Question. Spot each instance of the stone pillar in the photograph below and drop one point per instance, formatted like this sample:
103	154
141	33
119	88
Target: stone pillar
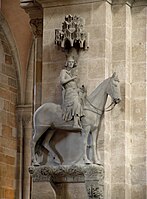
139	101
37	25
19	183
70	190
105	134
42	190
35	13
121	117
94	181
25	124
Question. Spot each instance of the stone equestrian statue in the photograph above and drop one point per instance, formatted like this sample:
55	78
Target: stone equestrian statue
78	111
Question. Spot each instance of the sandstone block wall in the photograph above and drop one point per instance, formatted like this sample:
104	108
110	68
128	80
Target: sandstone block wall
8	131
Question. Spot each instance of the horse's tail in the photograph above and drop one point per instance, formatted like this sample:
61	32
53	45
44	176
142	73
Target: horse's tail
34	121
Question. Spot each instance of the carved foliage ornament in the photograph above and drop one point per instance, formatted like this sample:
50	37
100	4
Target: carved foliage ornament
94	176
72	33
95	191
97	172
37	27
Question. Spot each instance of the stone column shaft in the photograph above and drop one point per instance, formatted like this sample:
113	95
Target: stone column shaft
139	101
19	182
25	125
121	62
36	25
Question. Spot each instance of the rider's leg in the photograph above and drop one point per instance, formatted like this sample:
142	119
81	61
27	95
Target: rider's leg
48	144
76	122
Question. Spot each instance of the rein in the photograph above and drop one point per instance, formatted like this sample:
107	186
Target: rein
109	108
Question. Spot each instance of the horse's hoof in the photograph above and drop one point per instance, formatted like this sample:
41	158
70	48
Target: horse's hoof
98	163
87	161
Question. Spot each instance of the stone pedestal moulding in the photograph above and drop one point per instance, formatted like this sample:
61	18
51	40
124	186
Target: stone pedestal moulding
91	175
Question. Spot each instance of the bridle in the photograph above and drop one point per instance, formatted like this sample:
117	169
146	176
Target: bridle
109	108
97	110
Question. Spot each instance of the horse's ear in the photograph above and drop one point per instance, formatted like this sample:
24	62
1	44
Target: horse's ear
114	75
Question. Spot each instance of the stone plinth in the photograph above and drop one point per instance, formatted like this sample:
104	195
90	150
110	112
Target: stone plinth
88	178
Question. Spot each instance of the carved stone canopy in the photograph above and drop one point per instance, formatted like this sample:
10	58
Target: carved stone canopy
72	34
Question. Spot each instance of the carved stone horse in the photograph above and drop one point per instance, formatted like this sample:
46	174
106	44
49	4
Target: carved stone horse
48	117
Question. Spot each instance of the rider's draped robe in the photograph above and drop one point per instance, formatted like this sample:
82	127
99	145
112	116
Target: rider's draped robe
71	100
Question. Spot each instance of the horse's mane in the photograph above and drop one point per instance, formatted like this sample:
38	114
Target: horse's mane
94	94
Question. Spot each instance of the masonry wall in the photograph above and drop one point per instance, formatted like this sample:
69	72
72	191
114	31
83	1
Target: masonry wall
8	131
139	101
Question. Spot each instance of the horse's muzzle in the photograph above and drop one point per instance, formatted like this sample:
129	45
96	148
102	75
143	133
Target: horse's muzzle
116	101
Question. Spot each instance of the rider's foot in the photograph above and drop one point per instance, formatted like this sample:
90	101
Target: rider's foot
77	127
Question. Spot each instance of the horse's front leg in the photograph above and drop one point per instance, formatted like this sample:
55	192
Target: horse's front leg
86	133
96	160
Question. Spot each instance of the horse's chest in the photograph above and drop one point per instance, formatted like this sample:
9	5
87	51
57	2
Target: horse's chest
91	120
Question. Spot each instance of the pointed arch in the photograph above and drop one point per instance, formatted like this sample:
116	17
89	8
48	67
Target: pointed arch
5	29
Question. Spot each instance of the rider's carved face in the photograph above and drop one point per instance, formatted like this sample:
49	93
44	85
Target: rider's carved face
70	64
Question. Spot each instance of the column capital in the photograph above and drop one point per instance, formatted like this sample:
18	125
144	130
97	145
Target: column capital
37	27
33	8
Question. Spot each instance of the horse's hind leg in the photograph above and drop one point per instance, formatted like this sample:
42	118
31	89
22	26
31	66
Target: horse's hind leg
37	135
49	145
52	146
48	137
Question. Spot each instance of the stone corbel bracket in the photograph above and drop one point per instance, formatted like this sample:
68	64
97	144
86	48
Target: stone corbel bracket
35	12
33	8
91	175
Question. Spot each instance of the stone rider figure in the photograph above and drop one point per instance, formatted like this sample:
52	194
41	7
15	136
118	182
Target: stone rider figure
72	105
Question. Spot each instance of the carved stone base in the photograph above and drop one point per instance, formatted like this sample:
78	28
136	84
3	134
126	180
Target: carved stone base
62	177
42	190
71	191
